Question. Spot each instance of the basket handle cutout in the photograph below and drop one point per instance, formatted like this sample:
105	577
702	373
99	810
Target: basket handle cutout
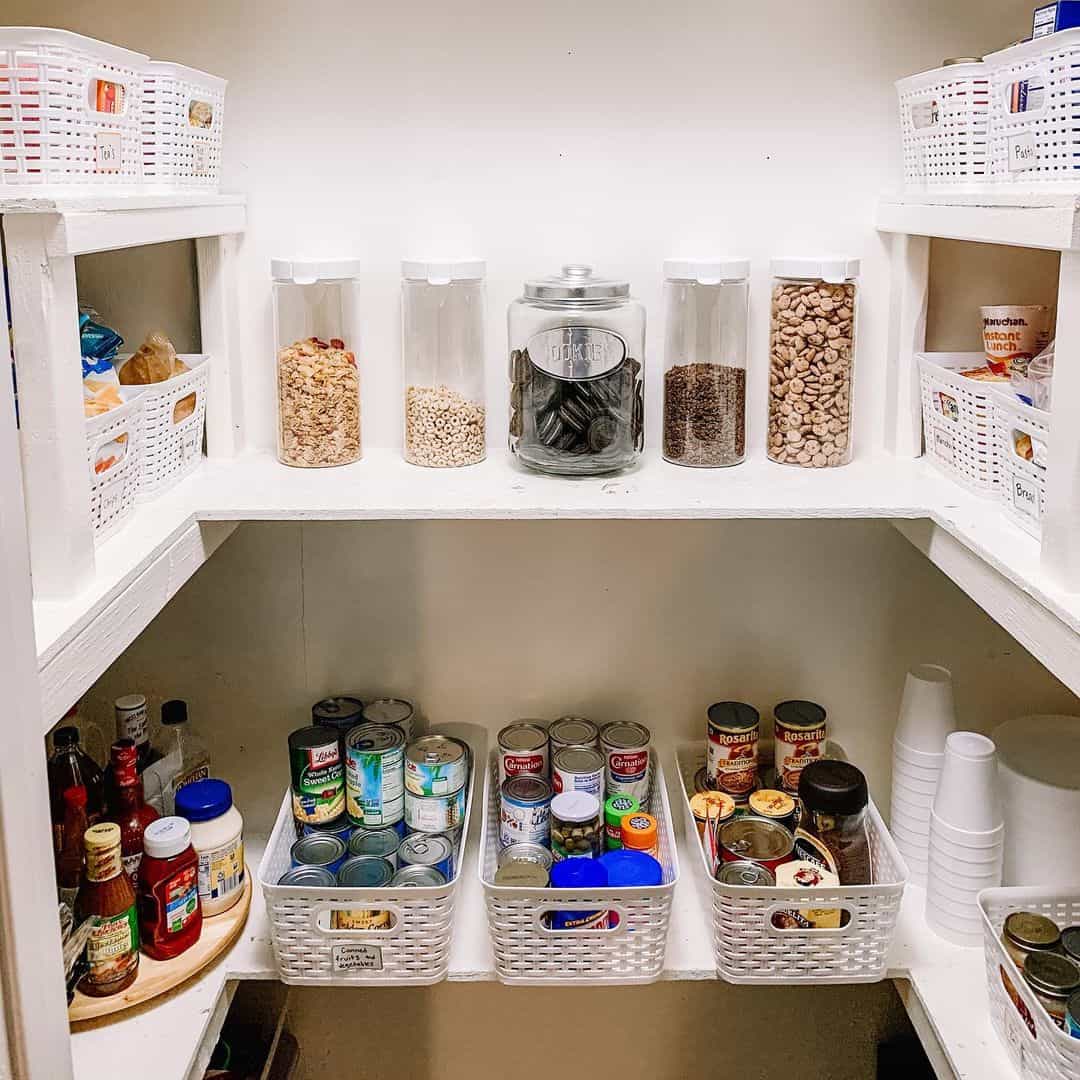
107	94
586	920
363	923
110	453
825	918
184	409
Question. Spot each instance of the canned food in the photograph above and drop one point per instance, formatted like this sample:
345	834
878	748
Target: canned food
308	877
428	849
325	851
701	780
575	826
1072	1015
434	813
615	809
1070	942
397	712
339	827
341	714
382	843
573	731
579	874
318	783
375	770
755	839
578	768
800	874
710	809
733	730
436	765
799	734
640	832
774	805
399	827
525	811
523	875
523	750
1027	932
418	877
534	853
454	835
1053	979
626	760
745	873
363	872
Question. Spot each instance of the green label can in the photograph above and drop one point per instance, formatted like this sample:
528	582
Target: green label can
318	782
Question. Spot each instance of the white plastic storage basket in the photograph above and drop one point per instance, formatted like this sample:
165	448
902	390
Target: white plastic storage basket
113	454
415	949
69	111
958	420
183	117
749	949
1038	1047
171	449
1034	102
528	952
1022	482
944	120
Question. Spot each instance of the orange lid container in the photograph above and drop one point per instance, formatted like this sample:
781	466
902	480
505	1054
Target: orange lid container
639	832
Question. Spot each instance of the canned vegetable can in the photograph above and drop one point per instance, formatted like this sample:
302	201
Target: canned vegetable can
434	813
363	872
375	775
418	877
382	843
308	877
397	712
424	849
436	765
339	827
626	760
328	852
318	782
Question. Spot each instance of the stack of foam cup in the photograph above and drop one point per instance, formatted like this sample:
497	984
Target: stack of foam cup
927	717
967	838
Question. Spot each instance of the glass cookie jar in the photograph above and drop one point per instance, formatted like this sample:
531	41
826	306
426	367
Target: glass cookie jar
577	404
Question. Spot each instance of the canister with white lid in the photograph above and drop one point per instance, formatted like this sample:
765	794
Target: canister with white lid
217	834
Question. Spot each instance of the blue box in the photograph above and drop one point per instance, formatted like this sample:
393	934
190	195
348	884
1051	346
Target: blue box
1050	18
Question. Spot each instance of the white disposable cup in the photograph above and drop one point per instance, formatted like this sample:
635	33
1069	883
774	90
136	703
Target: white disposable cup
967	793
916	784
911	831
966	935
918	772
988	877
953	863
966	838
961	892
911	756
915	801
927	711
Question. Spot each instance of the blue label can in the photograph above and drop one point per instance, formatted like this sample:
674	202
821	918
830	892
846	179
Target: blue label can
328	852
428	849
375	775
339	827
382	843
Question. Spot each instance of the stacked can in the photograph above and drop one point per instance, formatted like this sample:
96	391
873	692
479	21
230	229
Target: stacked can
436	771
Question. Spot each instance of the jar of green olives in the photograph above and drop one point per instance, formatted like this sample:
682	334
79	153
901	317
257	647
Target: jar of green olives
576	830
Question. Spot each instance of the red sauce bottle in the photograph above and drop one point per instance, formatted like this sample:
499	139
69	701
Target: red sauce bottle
170	915
127	808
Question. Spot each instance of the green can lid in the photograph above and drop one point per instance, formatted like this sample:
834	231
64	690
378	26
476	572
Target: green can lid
618	806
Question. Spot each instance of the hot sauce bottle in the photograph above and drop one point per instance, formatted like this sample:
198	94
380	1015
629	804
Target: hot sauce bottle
126	806
170	915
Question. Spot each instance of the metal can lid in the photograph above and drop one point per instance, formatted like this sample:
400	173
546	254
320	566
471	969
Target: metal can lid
770	803
733	716
317	849
380	842
311	737
418	877
525	852
528	789
756	838
1052	974
365	872
578	759
573	731
1030	930
625	735
330	828
130	702
575	806
523	735
745	873
338	712
1072	1009
575	282
800	715
523	875
375	738
425	849
435	750
314	877
715	806
388	711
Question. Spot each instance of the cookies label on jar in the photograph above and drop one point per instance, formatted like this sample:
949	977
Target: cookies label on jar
577	352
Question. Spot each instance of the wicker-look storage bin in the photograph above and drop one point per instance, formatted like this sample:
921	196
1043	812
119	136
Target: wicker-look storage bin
1021	483
527	952
1038	1047
114	469
749	949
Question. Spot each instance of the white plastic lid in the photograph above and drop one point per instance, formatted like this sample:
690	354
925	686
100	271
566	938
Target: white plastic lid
707	271
575	806
166	837
443	271
308	271
835	269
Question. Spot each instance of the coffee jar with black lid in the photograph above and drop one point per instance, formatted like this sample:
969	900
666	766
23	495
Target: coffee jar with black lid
577	404
834	799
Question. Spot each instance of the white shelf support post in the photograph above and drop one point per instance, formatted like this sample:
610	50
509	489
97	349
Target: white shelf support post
910	273
217	260
52	425
1061	517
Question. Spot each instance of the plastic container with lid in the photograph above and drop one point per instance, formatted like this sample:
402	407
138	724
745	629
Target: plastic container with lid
1054	979
628	869
640	833
170	916
217	834
834	799
579	874
442	344
575	826
318	381
577	394
707	308
811	360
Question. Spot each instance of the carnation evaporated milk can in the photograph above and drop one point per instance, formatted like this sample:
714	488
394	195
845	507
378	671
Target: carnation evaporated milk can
625	747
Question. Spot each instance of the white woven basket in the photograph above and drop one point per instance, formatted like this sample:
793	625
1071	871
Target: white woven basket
958	420
415	950
183	119
528	953
749	949
1021	484
1034	101
113	490
51	131
169	450
944	121
1037	1046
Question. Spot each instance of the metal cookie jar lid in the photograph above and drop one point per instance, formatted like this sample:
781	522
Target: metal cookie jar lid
576	282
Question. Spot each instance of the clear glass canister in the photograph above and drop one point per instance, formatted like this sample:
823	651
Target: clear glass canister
577	404
705	361
318	381
811	361
442	342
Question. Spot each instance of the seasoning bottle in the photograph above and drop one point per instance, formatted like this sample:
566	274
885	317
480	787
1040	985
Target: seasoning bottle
170	916
640	833
184	758
217	834
133	722
122	755
106	896
69	766
129	810
69	859
834	799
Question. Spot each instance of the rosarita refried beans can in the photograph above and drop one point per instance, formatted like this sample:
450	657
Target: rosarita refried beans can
523	751
799	734
732	765
625	747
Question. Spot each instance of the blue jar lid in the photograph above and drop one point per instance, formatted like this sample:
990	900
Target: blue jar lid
626	868
578	874
203	800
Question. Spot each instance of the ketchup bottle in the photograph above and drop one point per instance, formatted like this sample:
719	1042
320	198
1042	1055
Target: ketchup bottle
170	915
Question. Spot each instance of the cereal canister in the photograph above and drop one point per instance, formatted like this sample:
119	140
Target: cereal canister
573	731
523	750
626	759
578	768
799	735
375	775
436	765
318	784
733	729
525	811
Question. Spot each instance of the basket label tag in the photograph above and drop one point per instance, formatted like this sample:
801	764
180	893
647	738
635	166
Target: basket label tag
943	447
925	114
107	151
947	406
1025	497
357	958
1022	151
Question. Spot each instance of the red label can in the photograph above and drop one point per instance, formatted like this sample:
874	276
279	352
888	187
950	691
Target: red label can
732	765
523	751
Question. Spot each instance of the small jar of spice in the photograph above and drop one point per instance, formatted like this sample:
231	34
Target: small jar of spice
170	917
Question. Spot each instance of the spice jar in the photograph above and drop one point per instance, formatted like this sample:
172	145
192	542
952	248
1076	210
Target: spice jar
811	361
317	377
442	345
834	799
577	404
575	826
1054	979
170	916
1026	932
706	301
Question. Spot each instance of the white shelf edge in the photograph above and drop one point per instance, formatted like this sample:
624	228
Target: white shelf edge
108	202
